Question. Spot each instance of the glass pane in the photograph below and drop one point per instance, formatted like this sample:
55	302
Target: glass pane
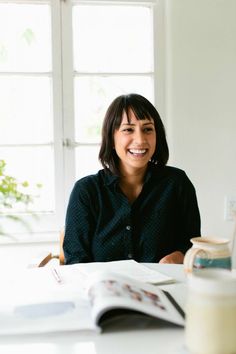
113	38
90	164
25	37
36	166
93	95
25	110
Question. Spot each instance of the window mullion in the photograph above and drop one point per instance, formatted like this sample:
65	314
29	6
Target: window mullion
159	38
57	112
68	95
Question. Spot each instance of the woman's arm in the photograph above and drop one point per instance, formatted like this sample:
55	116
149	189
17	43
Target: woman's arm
189	215
78	226
189	221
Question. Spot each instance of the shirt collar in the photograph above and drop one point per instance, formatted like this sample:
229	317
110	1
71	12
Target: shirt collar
111	179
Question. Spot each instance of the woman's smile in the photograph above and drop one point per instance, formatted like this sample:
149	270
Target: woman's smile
139	153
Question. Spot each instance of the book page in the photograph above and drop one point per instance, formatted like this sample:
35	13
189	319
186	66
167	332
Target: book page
129	268
45	317
109	291
34	301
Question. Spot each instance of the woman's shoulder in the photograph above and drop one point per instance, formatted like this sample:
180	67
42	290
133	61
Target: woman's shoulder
179	178
175	171
92	179
172	176
88	186
170	172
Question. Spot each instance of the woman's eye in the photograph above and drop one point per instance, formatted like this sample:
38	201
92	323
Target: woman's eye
127	130
149	129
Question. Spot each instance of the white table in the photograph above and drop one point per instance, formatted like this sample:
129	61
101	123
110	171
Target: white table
139	340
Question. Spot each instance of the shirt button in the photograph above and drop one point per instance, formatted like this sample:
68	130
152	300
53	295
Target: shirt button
128	227
130	256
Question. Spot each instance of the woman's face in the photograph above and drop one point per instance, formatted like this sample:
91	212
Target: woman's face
135	142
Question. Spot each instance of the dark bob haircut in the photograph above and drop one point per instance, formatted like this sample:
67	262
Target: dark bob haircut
143	109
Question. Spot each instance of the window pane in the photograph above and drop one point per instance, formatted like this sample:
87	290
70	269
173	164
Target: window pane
93	95
25	37
25	110
34	165
87	160
113	38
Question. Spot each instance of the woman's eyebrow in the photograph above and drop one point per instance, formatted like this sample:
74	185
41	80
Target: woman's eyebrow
127	123
149	122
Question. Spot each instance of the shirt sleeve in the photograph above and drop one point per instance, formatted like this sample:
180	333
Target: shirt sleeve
78	226
189	215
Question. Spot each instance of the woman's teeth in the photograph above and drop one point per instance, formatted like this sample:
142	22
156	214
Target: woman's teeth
137	151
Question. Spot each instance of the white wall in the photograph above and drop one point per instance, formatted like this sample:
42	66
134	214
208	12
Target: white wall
201	102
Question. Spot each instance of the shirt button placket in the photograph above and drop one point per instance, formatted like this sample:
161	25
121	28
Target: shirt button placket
130	255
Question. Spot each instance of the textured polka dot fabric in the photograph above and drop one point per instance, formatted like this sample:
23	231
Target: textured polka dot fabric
101	224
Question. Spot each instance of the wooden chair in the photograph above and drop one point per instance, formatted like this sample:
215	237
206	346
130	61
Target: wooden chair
51	256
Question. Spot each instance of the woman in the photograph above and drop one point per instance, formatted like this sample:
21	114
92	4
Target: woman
136	207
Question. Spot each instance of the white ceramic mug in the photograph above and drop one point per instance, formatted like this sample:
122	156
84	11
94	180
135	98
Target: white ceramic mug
208	252
211	312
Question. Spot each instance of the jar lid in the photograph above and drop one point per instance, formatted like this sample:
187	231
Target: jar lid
213	281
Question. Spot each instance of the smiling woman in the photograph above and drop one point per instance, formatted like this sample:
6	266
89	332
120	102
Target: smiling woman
136	207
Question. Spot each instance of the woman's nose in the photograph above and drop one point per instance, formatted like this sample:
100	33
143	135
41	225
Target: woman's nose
139	138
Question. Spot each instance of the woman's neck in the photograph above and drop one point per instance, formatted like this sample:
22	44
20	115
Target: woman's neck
131	184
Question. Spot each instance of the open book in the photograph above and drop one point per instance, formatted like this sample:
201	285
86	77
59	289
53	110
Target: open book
109	297
113	296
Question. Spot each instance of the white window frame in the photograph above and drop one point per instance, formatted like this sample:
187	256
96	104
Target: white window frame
63	99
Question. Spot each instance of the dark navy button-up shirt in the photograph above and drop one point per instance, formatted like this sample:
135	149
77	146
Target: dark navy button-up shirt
101	224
